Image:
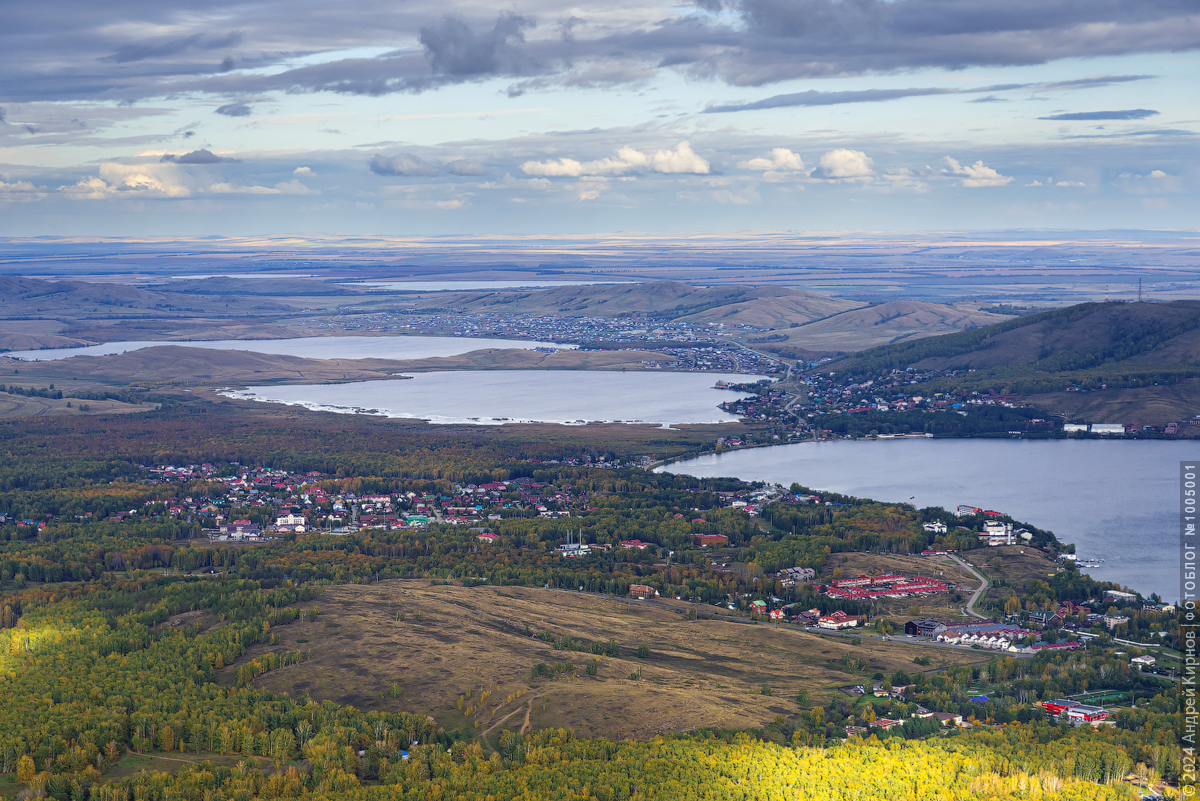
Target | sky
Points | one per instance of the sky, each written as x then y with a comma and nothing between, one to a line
132,117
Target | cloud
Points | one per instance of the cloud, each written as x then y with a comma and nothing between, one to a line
302,171
975,175
404,164
164,49
20,192
132,181
781,160
234,110
197,157
455,50
681,159
1070,183
465,167
847,165
814,97
282,188
1127,114
1155,182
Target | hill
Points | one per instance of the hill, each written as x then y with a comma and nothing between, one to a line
862,328
442,641
178,364
283,286
762,307
1143,360
31,297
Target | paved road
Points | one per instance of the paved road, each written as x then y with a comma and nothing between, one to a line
984,585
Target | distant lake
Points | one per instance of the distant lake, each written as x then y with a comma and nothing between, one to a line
393,347
1115,500
493,397
469,285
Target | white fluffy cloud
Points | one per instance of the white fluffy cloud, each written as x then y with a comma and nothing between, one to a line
847,165
780,160
20,192
133,180
975,175
681,159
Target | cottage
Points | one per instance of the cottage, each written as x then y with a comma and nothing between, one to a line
641,546
837,621
705,540
642,591
487,536
1143,662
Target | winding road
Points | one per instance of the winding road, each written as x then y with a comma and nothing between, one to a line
984,586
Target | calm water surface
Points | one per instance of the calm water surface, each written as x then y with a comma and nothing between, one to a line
492,397
395,347
1116,500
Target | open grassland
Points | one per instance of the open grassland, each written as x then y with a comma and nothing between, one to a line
407,645
33,406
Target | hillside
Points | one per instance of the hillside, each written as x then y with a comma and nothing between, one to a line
178,364
31,297
862,328
763,307
1115,361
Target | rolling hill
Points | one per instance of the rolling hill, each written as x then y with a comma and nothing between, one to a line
32,297
1110,362
762,307
862,328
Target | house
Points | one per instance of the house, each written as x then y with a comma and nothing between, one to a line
777,615
837,621
924,627
642,591
705,540
934,528
1112,621
1143,662
1117,595
949,718
1045,619
487,536
758,607
641,546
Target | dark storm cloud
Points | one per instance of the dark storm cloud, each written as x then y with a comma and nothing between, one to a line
234,110
144,50
1127,114
69,49
455,50
404,164
816,98
198,157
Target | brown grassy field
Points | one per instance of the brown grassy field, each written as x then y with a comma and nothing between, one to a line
180,365
452,640
25,406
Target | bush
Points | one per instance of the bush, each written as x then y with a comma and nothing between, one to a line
643,651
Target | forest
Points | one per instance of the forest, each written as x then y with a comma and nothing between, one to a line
118,634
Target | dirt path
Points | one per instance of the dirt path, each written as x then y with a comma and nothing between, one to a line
528,711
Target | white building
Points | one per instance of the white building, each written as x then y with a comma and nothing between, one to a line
1108,428
1074,428
996,533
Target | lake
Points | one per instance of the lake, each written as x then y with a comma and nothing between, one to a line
1116,500
356,347
493,397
